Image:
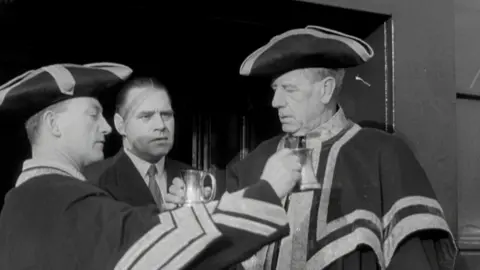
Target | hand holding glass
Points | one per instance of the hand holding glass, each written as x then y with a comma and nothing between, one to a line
195,190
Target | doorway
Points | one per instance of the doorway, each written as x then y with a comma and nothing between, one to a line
197,56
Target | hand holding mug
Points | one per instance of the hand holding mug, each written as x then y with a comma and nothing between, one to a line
282,171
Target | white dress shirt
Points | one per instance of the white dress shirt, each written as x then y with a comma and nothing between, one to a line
142,167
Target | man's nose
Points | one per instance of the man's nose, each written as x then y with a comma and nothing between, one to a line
158,121
278,99
105,127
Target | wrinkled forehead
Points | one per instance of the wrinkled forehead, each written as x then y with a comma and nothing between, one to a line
147,99
296,77
81,104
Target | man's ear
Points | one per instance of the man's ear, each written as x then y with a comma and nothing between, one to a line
50,120
119,124
327,87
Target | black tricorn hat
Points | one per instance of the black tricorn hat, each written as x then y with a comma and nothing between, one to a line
35,90
309,47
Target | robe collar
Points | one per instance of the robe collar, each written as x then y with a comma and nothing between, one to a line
37,167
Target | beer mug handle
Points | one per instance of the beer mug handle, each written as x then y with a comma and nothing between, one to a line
214,187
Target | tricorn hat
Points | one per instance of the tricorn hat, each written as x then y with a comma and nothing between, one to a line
309,47
35,90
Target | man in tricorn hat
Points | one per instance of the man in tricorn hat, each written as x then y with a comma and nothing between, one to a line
376,208
52,219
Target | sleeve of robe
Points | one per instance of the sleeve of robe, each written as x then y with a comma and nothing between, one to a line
416,235
118,236
253,218
115,235
231,179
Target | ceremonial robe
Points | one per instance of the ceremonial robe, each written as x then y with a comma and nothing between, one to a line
241,237
55,221
376,208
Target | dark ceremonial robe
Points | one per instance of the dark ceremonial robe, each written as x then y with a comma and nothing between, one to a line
53,220
118,176
376,208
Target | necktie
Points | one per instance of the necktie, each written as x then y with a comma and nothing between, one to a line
295,142
153,186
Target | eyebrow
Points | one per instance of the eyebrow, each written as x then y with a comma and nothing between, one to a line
273,85
154,111
96,107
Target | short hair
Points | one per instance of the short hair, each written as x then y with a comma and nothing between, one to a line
33,124
141,82
318,74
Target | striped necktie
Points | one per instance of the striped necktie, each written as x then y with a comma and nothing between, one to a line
153,186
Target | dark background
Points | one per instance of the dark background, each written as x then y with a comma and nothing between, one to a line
195,48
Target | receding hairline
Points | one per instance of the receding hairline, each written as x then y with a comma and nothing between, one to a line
141,89
136,95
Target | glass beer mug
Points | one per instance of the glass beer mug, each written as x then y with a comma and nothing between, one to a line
299,147
195,187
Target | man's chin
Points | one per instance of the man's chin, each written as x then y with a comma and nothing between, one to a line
95,158
160,151
290,129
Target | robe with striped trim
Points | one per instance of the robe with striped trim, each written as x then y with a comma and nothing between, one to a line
55,221
121,179
376,209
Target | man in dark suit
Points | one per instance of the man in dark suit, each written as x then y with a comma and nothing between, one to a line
145,119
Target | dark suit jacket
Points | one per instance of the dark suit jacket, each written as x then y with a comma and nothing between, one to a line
118,176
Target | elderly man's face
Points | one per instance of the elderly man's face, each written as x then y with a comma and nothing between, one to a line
298,102
83,129
149,125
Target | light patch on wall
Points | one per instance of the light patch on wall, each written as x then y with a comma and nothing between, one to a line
467,45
